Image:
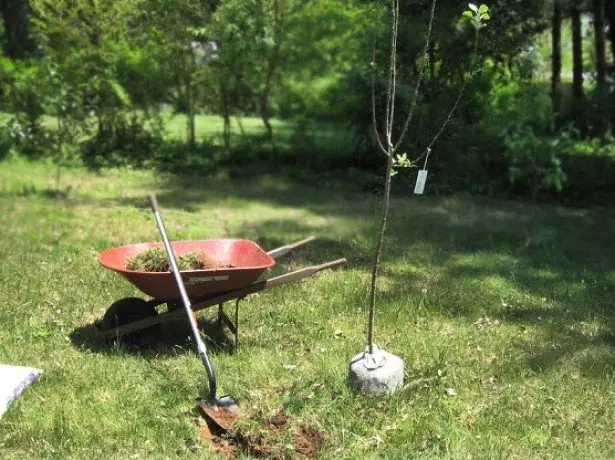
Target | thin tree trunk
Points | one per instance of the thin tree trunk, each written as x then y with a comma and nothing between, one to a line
609,8
59,160
577,70
378,254
264,99
226,115
240,124
191,116
556,63
17,42
600,45
610,16
534,185
278,24
268,127
599,36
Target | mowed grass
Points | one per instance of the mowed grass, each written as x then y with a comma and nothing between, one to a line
524,337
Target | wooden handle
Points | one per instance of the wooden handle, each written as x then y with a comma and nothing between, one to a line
302,273
277,252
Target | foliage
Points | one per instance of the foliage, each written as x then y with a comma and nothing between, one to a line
129,141
21,91
589,179
129,61
477,15
6,141
64,97
534,160
334,41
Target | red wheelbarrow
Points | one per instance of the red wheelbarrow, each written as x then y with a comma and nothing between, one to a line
242,262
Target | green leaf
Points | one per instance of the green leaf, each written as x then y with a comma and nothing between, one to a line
468,13
485,16
120,92
483,9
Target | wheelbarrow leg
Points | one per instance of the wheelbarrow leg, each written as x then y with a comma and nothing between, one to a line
220,313
224,320
237,324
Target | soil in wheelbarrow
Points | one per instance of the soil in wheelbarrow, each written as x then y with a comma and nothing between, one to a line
277,437
156,260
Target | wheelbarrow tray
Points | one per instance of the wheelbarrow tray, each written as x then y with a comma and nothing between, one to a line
242,262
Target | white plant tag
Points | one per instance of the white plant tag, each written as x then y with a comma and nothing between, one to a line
419,188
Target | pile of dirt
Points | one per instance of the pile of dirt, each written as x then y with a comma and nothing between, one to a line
268,441
308,440
157,260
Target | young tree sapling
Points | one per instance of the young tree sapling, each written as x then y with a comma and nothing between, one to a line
368,370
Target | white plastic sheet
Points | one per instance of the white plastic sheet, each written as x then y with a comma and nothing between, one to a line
13,380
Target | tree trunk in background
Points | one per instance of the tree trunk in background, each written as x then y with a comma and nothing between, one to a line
264,99
578,102
599,36
17,42
272,62
226,115
556,63
600,47
190,108
609,7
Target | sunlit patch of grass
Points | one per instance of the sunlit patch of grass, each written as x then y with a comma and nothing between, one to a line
524,337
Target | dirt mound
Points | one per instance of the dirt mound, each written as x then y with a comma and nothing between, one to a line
269,440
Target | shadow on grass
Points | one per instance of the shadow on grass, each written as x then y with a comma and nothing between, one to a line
167,340
468,238
29,190
471,247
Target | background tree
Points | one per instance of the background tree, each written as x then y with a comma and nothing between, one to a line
578,94
16,40
609,8
602,93
172,33
274,14
556,61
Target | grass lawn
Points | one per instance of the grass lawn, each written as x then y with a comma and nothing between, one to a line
524,337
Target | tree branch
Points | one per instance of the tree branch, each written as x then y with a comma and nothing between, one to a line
459,96
420,77
374,122
393,75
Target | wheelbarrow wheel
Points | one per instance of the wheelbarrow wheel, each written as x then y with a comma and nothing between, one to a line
126,311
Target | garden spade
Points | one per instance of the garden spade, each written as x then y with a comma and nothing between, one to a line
220,412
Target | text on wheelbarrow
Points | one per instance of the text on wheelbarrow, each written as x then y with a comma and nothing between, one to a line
205,279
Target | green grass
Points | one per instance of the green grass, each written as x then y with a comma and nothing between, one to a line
524,336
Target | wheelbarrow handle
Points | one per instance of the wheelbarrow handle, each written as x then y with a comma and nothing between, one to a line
277,252
301,273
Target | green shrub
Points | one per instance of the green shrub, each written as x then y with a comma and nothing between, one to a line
126,142
589,179
6,142
22,92
33,141
534,161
